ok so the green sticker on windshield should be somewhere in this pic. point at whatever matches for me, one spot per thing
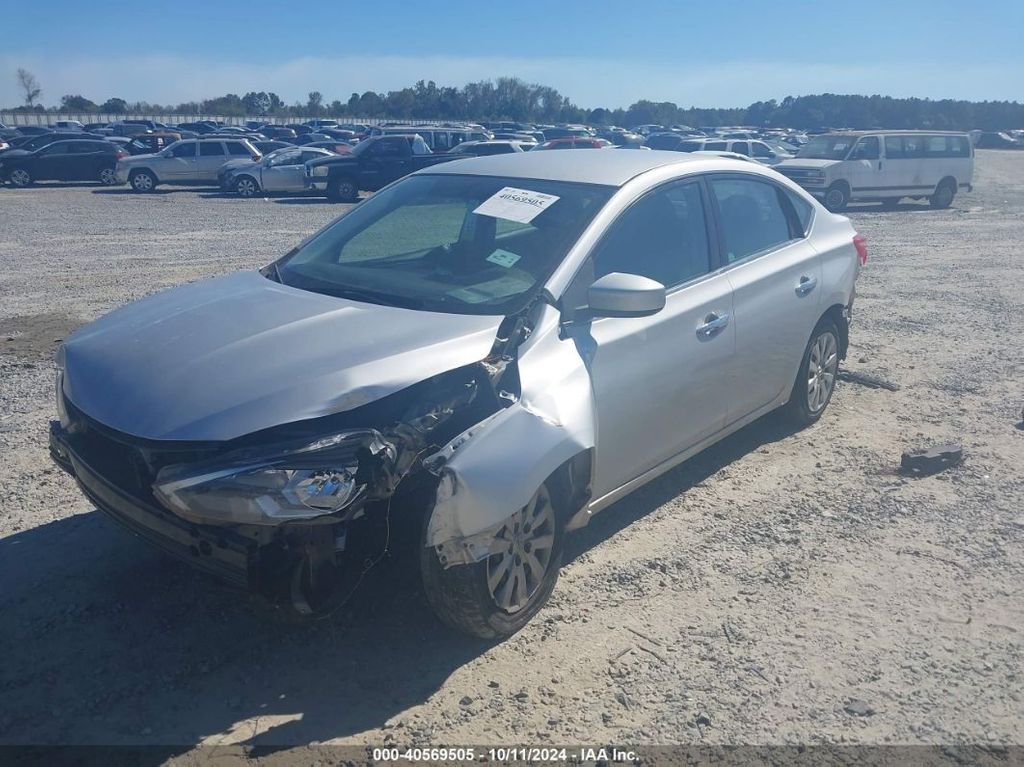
(504, 258)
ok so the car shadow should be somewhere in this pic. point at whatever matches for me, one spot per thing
(903, 207)
(124, 189)
(305, 201)
(106, 641)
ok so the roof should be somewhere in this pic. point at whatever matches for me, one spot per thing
(584, 166)
(884, 132)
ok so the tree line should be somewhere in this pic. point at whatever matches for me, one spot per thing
(509, 98)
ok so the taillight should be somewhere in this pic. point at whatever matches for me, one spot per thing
(256, 157)
(860, 242)
(120, 154)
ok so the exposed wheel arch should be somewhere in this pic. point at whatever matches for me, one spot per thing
(837, 314)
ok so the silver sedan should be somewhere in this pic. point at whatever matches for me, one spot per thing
(484, 354)
(283, 170)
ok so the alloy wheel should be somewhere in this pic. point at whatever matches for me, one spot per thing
(245, 187)
(108, 177)
(142, 182)
(20, 177)
(822, 367)
(522, 554)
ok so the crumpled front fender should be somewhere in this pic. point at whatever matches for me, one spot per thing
(491, 470)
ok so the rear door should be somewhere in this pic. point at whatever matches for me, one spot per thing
(83, 161)
(212, 155)
(775, 274)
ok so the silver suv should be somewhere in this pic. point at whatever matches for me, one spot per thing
(483, 354)
(192, 161)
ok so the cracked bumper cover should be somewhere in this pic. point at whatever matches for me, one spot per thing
(215, 550)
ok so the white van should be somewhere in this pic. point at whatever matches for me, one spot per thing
(883, 166)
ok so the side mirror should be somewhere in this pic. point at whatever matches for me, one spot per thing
(625, 295)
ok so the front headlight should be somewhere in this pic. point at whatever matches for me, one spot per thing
(318, 170)
(292, 483)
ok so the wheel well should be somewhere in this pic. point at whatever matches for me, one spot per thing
(569, 484)
(836, 314)
(137, 171)
(948, 180)
(843, 183)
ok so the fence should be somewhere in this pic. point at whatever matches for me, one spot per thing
(17, 119)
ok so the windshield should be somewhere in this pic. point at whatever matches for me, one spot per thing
(420, 245)
(827, 148)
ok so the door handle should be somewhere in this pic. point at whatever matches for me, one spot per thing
(713, 323)
(806, 285)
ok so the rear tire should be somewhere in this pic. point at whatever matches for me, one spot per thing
(20, 177)
(816, 380)
(107, 176)
(470, 598)
(342, 190)
(142, 181)
(246, 186)
(837, 198)
(943, 196)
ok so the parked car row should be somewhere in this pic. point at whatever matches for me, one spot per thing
(840, 167)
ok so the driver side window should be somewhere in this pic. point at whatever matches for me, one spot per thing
(184, 150)
(662, 236)
(867, 149)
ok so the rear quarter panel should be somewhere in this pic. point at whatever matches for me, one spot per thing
(832, 236)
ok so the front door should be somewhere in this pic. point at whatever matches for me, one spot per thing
(657, 380)
(866, 167)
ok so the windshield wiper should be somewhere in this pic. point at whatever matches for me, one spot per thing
(359, 294)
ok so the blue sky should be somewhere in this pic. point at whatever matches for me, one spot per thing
(598, 53)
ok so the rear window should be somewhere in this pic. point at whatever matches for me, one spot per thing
(211, 149)
(947, 146)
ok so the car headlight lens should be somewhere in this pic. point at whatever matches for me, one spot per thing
(318, 170)
(311, 480)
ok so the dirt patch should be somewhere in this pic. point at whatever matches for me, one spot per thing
(35, 336)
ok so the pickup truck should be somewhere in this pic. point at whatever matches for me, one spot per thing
(371, 165)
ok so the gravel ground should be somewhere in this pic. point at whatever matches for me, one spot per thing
(780, 588)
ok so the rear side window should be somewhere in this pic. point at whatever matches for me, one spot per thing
(211, 149)
(946, 146)
(663, 236)
(752, 215)
(664, 142)
(715, 146)
(690, 146)
(803, 209)
(183, 150)
(236, 148)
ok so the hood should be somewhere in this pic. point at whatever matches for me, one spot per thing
(226, 357)
(233, 165)
(16, 153)
(140, 157)
(806, 162)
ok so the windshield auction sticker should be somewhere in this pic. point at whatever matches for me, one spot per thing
(513, 204)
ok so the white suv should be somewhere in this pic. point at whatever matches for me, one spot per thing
(195, 161)
(883, 166)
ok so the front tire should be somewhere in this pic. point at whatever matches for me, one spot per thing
(20, 177)
(342, 190)
(816, 380)
(837, 198)
(943, 196)
(500, 594)
(142, 181)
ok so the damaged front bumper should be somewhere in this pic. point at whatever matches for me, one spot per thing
(216, 550)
